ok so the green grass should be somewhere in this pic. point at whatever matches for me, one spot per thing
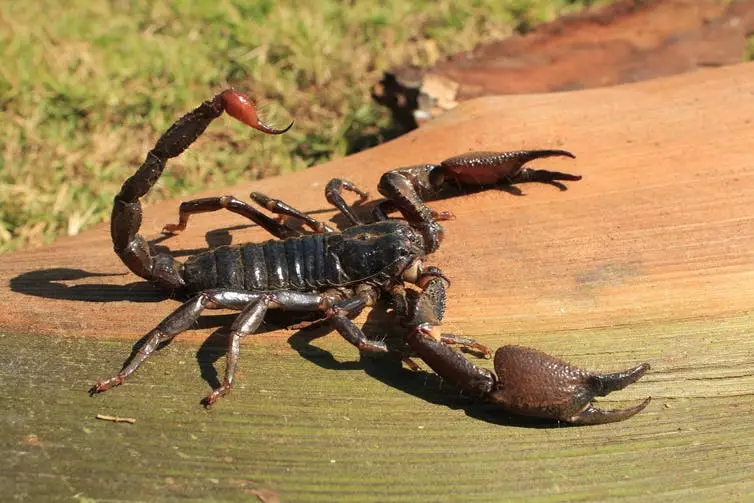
(86, 88)
(749, 56)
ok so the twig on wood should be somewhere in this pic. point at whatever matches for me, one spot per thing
(116, 419)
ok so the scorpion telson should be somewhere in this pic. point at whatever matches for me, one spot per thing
(337, 274)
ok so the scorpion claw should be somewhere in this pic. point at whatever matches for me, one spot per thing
(593, 415)
(533, 383)
(486, 168)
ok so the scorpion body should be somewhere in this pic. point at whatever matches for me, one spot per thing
(373, 254)
(337, 274)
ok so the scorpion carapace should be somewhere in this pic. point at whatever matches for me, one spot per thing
(337, 274)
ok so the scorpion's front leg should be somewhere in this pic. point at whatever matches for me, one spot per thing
(334, 195)
(429, 309)
(528, 382)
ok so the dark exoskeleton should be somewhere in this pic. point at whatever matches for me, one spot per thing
(337, 274)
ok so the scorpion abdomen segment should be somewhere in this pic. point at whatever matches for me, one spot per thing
(303, 263)
(230, 270)
(277, 264)
(255, 277)
(200, 271)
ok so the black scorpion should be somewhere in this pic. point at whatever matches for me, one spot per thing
(337, 274)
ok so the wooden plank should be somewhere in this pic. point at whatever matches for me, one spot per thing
(648, 258)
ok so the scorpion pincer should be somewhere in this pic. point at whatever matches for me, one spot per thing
(337, 274)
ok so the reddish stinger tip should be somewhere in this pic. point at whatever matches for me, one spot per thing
(242, 108)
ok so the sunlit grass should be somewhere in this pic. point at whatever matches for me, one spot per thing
(86, 88)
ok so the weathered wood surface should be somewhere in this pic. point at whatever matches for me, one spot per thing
(649, 258)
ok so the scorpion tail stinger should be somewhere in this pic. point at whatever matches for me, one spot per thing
(242, 108)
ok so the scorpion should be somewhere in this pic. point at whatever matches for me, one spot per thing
(335, 274)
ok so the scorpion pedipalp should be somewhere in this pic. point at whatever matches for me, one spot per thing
(526, 381)
(533, 383)
(487, 168)
(529, 382)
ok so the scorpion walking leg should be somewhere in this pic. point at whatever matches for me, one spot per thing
(334, 195)
(246, 323)
(340, 313)
(253, 314)
(429, 308)
(234, 205)
(384, 208)
(283, 209)
(467, 342)
(181, 319)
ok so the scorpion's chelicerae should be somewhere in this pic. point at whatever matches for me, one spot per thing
(336, 274)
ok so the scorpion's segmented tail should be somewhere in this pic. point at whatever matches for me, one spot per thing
(133, 250)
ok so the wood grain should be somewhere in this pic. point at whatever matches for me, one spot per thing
(649, 258)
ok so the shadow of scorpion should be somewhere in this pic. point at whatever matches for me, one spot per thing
(337, 274)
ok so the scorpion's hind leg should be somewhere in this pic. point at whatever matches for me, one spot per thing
(180, 320)
(279, 207)
(234, 205)
(246, 323)
(252, 315)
